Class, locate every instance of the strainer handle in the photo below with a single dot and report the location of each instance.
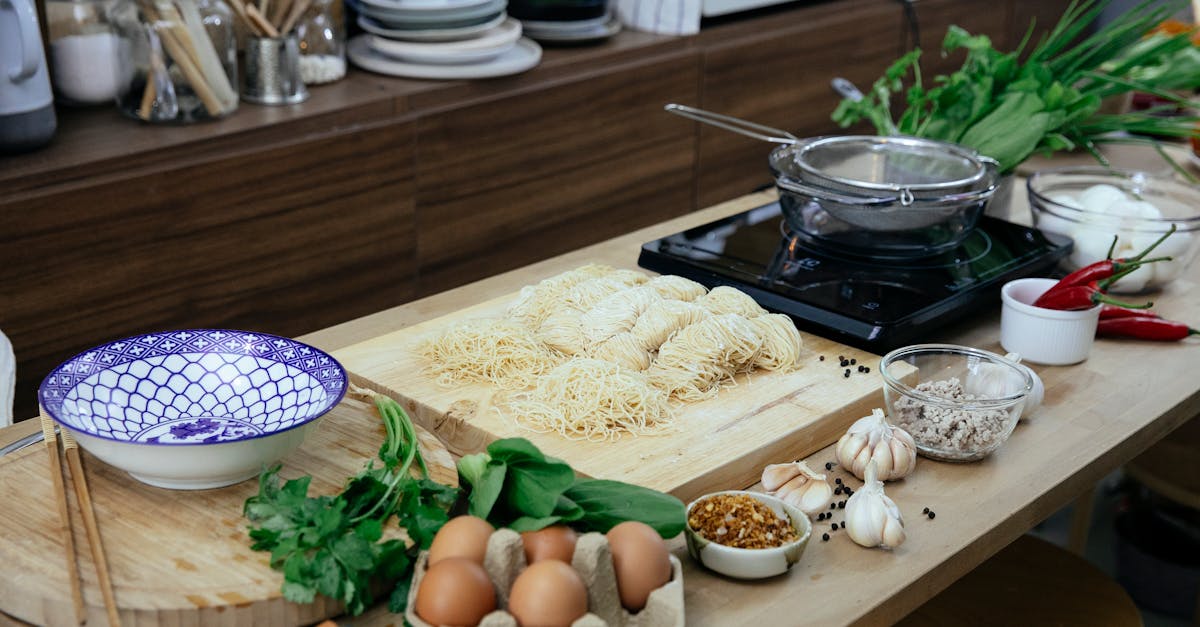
(737, 125)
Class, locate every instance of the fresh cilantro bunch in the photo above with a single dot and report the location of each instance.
(333, 545)
(1009, 105)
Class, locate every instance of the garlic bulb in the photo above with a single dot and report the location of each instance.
(872, 519)
(872, 439)
(994, 381)
(797, 485)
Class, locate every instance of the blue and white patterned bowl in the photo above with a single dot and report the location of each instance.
(193, 409)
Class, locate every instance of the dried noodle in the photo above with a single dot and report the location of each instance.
(590, 399)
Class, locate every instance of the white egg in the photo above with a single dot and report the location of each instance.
(1053, 224)
(1177, 247)
(1066, 200)
(1091, 244)
(1098, 198)
(1138, 209)
(1135, 281)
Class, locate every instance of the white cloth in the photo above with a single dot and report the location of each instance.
(8, 380)
(665, 17)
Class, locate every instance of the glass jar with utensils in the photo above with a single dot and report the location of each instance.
(181, 64)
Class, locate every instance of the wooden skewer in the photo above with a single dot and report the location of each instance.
(267, 29)
(298, 10)
(64, 516)
(89, 522)
(280, 9)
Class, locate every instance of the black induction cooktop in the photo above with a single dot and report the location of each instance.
(873, 304)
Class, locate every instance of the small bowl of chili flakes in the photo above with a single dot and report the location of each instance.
(746, 535)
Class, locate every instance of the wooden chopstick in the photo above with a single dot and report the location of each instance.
(71, 449)
(64, 515)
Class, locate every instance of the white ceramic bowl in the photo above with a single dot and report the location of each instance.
(193, 409)
(750, 563)
(1044, 336)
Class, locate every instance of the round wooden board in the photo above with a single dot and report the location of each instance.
(175, 557)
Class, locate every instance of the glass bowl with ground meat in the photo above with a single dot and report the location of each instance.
(746, 535)
(958, 403)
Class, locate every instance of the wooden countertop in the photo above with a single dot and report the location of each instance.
(1097, 415)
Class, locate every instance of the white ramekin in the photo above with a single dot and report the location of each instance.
(1044, 336)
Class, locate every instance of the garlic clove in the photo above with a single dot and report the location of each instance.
(884, 462)
(806, 490)
(775, 476)
(893, 534)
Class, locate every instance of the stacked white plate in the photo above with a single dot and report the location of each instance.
(573, 31)
(440, 39)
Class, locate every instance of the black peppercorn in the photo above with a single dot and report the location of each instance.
(842, 505)
(837, 490)
(866, 368)
(821, 358)
(833, 506)
(825, 537)
(828, 465)
(834, 527)
(925, 511)
(847, 375)
(931, 515)
(853, 361)
(837, 480)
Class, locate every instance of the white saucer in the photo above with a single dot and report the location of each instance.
(523, 56)
(425, 5)
(429, 34)
(602, 31)
(490, 44)
(441, 18)
(566, 25)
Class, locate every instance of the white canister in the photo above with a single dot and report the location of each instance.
(1044, 336)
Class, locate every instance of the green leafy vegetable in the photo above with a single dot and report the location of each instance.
(1011, 105)
(333, 545)
(514, 485)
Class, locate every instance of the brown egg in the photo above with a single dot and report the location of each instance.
(548, 594)
(552, 543)
(455, 591)
(641, 561)
(463, 536)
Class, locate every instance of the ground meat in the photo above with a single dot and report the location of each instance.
(740, 521)
(951, 430)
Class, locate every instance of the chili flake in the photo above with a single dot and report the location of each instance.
(740, 521)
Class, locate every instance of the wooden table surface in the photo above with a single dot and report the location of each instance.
(1097, 415)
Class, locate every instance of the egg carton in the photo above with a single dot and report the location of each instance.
(505, 560)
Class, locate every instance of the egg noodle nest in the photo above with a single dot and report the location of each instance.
(596, 352)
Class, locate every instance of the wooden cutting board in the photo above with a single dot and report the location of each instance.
(720, 444)
(175, 557)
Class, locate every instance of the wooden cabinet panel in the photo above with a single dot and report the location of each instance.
(287, 240)
(783, 80)
(504, 183)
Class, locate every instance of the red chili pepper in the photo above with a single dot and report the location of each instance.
(1145, 328)
(1108, 268)
(1079, 297)
(1109, 312)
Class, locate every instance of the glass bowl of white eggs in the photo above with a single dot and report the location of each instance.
(1091, 205)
